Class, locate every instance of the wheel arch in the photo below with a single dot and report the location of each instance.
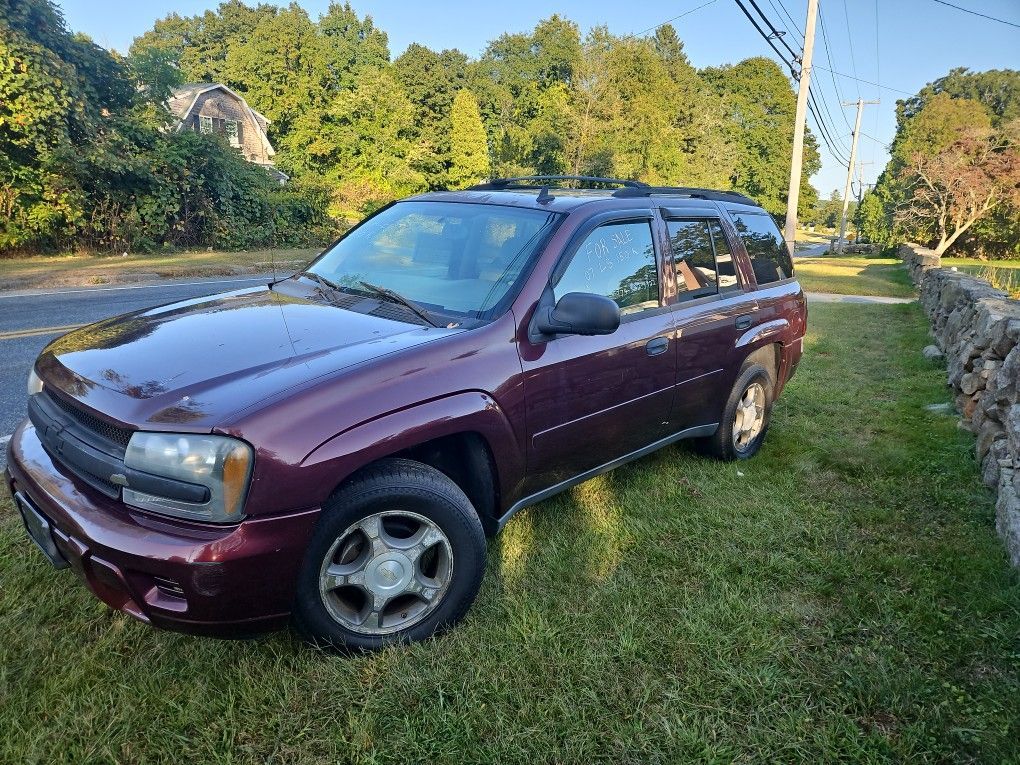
(465, 436)
(769, 356)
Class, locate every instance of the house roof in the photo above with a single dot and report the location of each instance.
(184, 97)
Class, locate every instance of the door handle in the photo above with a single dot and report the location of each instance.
(657, 345)
(743, 322)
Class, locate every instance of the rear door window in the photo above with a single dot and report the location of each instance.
(693, 258)
(770, 259)
(723, 258)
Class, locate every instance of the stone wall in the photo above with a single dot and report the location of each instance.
(977, 328)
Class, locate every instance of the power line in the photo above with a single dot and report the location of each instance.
(832, 122)
(975, 13)
(766, 38)
(668, 21)
(850, 41)
(838, 150)
(824, 131)
(788, 16)
(881, 143)
(775, 32)
(823, 128)
(825, 40)
(866, 82)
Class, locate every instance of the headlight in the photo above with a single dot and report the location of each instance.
(34, 383)
(223, 465)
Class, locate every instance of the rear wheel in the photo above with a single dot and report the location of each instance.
(397, 556)
(745, 418)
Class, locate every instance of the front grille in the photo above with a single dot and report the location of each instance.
(92, 423)
(111, 490)
(80, 441)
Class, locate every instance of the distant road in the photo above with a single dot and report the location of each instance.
(30, 319)
(815, 251)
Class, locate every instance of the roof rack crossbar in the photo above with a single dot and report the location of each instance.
(536, 181)
(696, 193)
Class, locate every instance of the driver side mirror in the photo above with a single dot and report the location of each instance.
(579, 313)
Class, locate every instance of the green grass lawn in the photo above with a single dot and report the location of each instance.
(87, 270)
(841, 597)
(886, 277)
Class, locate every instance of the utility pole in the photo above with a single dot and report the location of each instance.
(793, 196)
(841, 243)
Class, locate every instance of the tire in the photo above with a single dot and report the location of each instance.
(723, 445)
(425, 560)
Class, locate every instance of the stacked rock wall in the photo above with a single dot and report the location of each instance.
(977, 327)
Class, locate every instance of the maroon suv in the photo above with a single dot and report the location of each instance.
(331, 449)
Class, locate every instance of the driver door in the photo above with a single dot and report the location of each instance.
(591, 400)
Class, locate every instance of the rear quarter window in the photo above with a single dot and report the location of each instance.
(770, 259)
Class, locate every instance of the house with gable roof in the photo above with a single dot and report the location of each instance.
(211, 107)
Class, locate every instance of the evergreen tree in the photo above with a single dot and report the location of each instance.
(469, 151)
(430, 81)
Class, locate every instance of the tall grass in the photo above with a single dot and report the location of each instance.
(1005, 279)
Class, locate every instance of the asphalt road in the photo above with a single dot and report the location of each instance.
(31, 319)
(814, 251)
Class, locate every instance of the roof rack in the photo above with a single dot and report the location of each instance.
(627, 188)
(540, 181)
(682, 191)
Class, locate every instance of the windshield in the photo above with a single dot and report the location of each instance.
(454, 257)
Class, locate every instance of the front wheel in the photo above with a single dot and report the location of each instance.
(397, 556)
(745, 418)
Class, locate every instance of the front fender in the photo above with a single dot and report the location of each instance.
(467, 412)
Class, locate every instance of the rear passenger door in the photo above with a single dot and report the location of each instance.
(711, 309)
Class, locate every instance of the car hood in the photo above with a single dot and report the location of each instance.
(191, 365)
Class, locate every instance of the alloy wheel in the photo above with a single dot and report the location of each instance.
(749, 418)
(386, 572)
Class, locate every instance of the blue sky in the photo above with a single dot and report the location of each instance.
(901, 44)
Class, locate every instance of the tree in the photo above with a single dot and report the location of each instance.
(997, 89)
(275, 67)
(948, 179)
(362, 148)
(430, 81)
(347, 46)
(85, 159)
(760, 105)
(85, 151)
(871, 219)
(469, 150)
(58, 92)
(952, 188)
(198, 46)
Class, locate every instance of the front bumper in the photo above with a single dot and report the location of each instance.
(182, 576)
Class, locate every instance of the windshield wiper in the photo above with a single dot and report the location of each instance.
(325, 286)
(396, 297)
